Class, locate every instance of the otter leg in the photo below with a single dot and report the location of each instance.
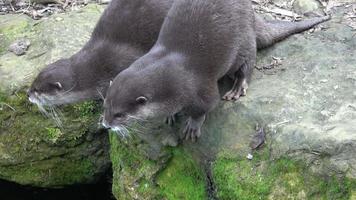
(207, 99)
(192, 128)
(241, 79)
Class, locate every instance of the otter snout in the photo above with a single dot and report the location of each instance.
(105, 124)
(28, 93)
(32, 96)
(113, 122)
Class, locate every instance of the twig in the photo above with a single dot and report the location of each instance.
(281, 11)
(12, 7)
(12, 108)
(281, 123)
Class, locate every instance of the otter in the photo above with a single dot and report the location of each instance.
(200, 42)
(126, 31)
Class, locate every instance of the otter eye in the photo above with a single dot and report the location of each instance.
(141, 100)
(119, 115)
(58, 85)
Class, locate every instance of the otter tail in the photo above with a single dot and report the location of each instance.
(271, 32)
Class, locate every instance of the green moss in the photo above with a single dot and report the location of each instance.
(182, 178)
(238, 178)
(54, 134)
(93, 8)
(51, 173)
(87, 109)
(174, 176)
(34, 150)
(23, 119)
(12, 29)
(132, 170)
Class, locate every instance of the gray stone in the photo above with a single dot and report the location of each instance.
(19, 47)
(304, 6)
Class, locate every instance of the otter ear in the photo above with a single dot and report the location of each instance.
(58, 85)
(141, 100)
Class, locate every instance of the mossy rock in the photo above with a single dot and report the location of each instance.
(174, 175)
(284, 178)
(52, 38)
(34, 149)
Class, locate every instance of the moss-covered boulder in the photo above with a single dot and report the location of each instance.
(302, 95)
(305, 102)
(277, 179)
(145, 169)
(34, 149)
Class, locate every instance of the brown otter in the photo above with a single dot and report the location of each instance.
(126, 30)
(200, 42)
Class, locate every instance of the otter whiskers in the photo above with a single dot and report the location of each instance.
(50, 112)
(69, 90)
(124, 132)
(100, 94)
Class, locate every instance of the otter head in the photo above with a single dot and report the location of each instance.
(52, 84)
(135, 96)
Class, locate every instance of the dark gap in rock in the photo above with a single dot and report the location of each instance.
(211, 189)
(101, 190)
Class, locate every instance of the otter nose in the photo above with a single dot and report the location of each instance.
(105, 124)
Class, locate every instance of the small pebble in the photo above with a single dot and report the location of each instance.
(58, 19)
(249, 156)
(323, 81)
(19, 47)
(325, 113)
(336, 87)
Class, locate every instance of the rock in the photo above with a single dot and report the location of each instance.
(19, 47)
(171, 174)
(34, 150)
(47, 1)
(280, 179)
(304, 6)
(103, 1)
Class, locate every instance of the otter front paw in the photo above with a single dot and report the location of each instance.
(192, 129)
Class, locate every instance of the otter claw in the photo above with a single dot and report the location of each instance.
(238, 90)
(192, 134)
(192, 130)
(171, 120)
(233, 96)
